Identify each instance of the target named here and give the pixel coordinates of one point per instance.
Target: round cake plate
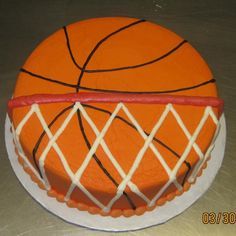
(158, 216)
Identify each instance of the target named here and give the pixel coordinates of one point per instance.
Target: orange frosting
(181, 72)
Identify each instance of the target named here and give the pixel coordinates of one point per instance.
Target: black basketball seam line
(139, 65)
(23, 70)
(148, 92)
(69, 48)
(77, 90)
(99, 42)
(123, 67)
(115, 91)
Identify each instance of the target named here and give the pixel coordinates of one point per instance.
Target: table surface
(208, 25)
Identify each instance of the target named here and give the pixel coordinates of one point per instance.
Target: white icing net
(126, 177)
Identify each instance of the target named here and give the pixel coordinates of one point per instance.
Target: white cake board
(155, 217)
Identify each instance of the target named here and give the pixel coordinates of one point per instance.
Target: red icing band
(114, 98)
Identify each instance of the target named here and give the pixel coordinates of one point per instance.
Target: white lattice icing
(126, 178)
(132, 186)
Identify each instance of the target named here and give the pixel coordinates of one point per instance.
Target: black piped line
(149, 92)
(69, 49)
(123, 67)
(188, 165)
(187, 172)
(35, 149)
(115, 91)
(139, 65)
(47, 79)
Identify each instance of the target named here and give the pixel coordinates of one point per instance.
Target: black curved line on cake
(149, 92)
(80, 120)
(139, 65)
(69, 49)
(116, 91)
(123, 67)
(98, 44)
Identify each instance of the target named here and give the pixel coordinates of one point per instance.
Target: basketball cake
(114, 116)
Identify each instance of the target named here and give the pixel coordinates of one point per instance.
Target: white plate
(158, 216)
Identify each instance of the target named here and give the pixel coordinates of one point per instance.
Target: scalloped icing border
(114, 212)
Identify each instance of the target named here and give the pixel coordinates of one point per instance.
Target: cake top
(115, 55)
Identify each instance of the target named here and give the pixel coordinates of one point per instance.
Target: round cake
(114, 116)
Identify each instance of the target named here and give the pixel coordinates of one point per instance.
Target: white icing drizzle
(75, 178)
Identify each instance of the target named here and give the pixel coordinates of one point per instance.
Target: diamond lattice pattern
(126, 177)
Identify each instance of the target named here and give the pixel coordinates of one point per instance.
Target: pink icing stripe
(114, 98)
